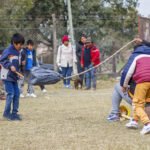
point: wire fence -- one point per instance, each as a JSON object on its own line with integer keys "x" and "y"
{"x": 108, "y": 41}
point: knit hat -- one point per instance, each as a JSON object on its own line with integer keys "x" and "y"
{"x": 65, "y": 38}
{"x": 89, "y": 40}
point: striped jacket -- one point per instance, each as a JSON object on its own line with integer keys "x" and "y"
{"x": 10, "y": 57}
{"x": 137, "y": 67}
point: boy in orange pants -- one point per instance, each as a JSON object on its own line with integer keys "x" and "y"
{"x": 138, "y": 69}
{"x": 139, "y": 100}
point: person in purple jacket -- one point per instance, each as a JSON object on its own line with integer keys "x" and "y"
{"x": 10, "y": 65}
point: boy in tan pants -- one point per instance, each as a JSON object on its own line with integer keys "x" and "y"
{"x": 139, "y": 100}
{"x": 138, "y": 69}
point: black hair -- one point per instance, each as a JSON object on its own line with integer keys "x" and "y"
{"x": 30, "y": 42}
{"x": 17, "y": 39}
{"x": 83, "y": 35}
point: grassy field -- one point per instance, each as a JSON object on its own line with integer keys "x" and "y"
{"x": 69, "y": 120}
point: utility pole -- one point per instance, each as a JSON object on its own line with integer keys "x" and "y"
{"x": 70, "y": 23}
{"x": 54, "y": 41}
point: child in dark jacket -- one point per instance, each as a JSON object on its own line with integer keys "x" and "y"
{"x": 28, "y": 56}
{"x": 10, "y": 65}
{"x": 90, "y": 57}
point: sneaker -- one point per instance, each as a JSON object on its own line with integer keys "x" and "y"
{"x": 69, "y": 86}
{"x": 22, "y": 96}
{"x": 113, "y": 117}
{"x": 16, "y": 117}
{"x": 145, "y": 130}
{"x": 7, "y": 117}
{"x": 65, "y": 86}
{"x": 87, "y": 88}
{"x": 132, "y": 124}
{"x": 33, "y": 95}
{"x": 44, "y": 90}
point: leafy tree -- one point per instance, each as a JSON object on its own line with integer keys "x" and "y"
{"x": 100, "y": 19}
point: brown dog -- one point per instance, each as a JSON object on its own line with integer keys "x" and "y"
{"x": 78, "y": 84}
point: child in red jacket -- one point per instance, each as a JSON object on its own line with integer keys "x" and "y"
{"x": 90, "y": 57}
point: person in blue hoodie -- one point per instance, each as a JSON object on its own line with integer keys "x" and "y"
{"x": 28, "y": 56}
{"x": 119, "y": 93}
{"x": 10, "y": 65}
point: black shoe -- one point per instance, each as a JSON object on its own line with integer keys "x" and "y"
{"x": 7, "y": 117}
{"x": 87, "y": 88}
{"x": 16, "y": 117}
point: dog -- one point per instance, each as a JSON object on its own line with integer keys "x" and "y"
{"x": 78, "y": 83}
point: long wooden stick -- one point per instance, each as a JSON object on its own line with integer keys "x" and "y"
{"x": 19, "y": 74}
{"x": 106, "y": 60}
{"x": 125, "y": 116}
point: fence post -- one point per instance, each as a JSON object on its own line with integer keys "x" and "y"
{"x": 54, "y": 42}
{"x": 114, "y": 59}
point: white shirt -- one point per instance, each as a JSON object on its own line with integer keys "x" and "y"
{"x": 66, "y": 56}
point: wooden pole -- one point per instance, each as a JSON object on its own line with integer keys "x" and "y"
{"x": 70, "y": 21}
{"x": 54, "y": 41}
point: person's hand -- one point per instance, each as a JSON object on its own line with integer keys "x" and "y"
{"x": 23, "y": 63}
{"x": 60, "y": 69}
{"x": 92, "y": 64}
{"x": 138, "y": 40}
{"x": 124, "y": 89}
{"x": 13, "y": 69}
{"x": 75, "y": 62}
{"x": 82, "y": 66}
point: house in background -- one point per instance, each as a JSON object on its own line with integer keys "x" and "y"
{"x": 44, "y": 52}
{"x": 144, "y": 28}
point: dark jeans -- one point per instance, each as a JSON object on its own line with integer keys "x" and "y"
{"x": 28, "y": 77}
{"x": 12, "y": 97}
{"x": 90, "y": 77}
{"x": 66, "y": 72}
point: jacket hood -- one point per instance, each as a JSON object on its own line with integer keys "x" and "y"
{"x": 80, "y": 43}
{"x": 142, "y": 50}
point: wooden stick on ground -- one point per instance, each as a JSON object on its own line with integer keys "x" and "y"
{"x": 125, "y": 116}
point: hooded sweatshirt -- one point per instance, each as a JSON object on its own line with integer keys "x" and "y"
{"x": 10, "y": 57}
{"x": 137, "y": 67}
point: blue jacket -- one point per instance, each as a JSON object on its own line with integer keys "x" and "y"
{"x": 23, "y": 55}
{"x": 126, "y": 76}
{"x": 10, "y": 57}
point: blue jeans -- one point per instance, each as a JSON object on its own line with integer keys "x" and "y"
{"x": 117, "y": 97}
{"x": 66, "y": 72}
{"x": 12, "y": 97}
{"x": 90, "y": 77}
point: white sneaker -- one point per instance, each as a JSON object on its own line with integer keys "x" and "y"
{"x": 33, "y": 95}
{"x": 145, "y": 130}
{"x": 44, "y": 90}
{"x": 22, "y": 96}
{"x": 132, "y": 125}
{"x": 69, "y": 87}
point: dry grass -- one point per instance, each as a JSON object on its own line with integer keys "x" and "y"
{"x": 69, "y": 120}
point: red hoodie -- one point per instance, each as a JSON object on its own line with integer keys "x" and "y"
{"x": 95, "y": 56}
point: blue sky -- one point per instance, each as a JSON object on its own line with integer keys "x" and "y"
{"x": 144, "y": 7}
